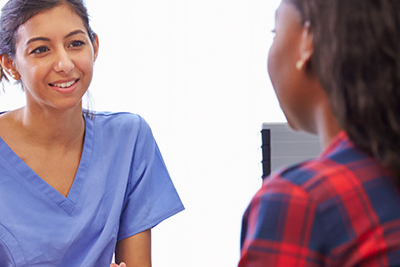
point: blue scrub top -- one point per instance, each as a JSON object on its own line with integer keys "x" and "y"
{"x": 122, "y": 187}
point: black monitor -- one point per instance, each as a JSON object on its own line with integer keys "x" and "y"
{"x": 282, "y": 147}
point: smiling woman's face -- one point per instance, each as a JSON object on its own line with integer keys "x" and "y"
{"x": 54, "y": 58}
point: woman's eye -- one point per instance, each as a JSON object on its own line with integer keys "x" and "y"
{"x": 77, "y": 44}
{"x": 40, "y": 50}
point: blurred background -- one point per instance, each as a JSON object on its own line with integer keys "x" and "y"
{"x": 196, "y": 71}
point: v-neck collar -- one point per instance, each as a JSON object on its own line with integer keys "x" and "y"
{"x": 27, "y": 175}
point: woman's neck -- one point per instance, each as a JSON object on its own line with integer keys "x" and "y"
{"x": 51, "y": 128}
{"x": 327, "y": 125}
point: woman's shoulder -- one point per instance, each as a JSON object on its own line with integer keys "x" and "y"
{"x": 8, "y": 125}
{"x": 125, "y": 122}
{"x": 109, "y": 115}
{"x": 114, "y": 119}
{"x": 344, "y": 170}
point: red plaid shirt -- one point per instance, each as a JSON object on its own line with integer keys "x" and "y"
{"x": 341, "y": 209}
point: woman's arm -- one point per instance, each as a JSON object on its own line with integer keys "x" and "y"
{"x": 135, "y": 250}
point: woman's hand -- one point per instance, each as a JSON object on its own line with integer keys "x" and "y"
{"x": 116, "y": 265}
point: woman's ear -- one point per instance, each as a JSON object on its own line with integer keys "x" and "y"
{"x": 8, "y": 66}
{"x": 95, "y": 44}
{"x": 306, "y": 47}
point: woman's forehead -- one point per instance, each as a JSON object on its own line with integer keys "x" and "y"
{"x": 63, "y": 19}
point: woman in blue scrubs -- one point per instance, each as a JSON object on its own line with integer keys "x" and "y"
{"x": 75, "y": 186}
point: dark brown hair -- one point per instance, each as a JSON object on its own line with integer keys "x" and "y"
{"x": 357, "y": 59}
{"x": 16, "y": 12}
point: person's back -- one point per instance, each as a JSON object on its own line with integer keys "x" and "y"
{"x": 341, "y": 209}
{"x": 335, "y": 70}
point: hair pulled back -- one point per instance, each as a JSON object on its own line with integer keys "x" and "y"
{"x": 16, "y": 12}
{"x": 357, "y": 59}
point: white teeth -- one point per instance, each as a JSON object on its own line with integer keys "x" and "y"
{"x": 63, "y": 85}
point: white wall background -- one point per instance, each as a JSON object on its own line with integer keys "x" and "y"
{"x": 196, "y": 70}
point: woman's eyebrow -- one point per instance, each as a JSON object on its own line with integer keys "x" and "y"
{"x": 74, "y": 33}
{"x": 48, "y": 39}
{"x": 37, "y": 39}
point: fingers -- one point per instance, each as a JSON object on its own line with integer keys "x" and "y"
{"x": 116, "y": 265}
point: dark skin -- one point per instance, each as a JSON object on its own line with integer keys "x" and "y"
{"x": 300, "y": 96}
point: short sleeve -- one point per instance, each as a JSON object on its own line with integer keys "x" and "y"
{"x": 151, "y": 196}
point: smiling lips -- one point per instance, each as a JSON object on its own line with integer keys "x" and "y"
{"x": 65, "y": 87}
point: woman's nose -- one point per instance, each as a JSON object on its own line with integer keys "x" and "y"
{"x": 63, "y": 62}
